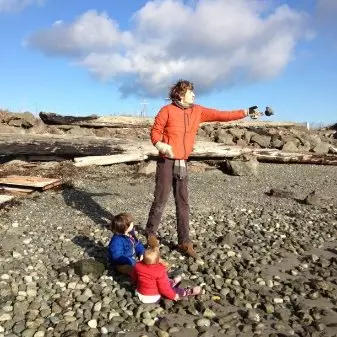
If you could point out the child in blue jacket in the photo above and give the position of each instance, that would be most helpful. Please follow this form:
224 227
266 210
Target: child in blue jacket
124 246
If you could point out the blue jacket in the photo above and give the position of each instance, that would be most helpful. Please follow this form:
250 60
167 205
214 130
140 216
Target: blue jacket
124 250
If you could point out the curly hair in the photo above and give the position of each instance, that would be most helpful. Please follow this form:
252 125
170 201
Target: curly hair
179 89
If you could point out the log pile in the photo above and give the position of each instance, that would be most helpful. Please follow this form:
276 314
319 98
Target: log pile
96 140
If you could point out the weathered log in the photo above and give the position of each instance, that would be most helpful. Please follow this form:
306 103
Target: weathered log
55 119
42 145
94 121
276 156
109 160
209 150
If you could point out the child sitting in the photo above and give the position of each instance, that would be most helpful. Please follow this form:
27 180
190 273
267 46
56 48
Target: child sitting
124 246
151 279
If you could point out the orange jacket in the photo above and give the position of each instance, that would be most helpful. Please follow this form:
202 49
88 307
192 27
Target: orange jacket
178 127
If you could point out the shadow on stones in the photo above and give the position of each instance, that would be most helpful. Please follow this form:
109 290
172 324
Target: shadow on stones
95 250
99 252
331 250
83 201
300 201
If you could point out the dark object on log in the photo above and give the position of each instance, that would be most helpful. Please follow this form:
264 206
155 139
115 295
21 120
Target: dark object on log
54 119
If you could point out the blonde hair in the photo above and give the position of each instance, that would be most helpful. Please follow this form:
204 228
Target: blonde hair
151 256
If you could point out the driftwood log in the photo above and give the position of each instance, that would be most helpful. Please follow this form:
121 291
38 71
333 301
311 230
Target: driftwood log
46 145
209 150
94 121
106 151
54 119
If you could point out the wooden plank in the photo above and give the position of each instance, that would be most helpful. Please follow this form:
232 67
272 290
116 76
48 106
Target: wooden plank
34 182
15 190
5 198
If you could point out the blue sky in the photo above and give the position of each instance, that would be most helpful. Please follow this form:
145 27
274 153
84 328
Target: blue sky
106 57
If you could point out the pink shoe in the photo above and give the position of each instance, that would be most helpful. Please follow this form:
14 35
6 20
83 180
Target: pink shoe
192 291
176 281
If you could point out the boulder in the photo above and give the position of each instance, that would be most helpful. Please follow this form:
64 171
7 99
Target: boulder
40 128
263 141
241 142
322 148
208 129
242 166
276 142
237 133
221 137
4 128
89 266
202 133
148 168
290 146
248 135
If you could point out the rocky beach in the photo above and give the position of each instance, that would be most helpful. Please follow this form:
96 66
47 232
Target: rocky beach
267 254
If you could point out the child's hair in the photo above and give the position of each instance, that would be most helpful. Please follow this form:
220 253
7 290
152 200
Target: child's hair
151 255
121 222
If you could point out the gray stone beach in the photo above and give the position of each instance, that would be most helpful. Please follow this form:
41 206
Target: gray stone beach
266 243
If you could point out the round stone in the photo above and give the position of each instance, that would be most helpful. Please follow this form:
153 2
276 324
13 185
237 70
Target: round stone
203 322
93 324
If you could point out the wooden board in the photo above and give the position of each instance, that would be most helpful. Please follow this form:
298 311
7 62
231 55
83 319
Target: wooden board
34 182
5 198
15 190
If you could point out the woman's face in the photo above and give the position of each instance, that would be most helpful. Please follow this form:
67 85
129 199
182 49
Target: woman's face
188 98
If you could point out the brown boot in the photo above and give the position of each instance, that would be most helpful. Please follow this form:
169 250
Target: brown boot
187 249
152 241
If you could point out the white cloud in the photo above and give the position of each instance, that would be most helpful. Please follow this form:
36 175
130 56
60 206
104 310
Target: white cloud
17 5
91 32
214 43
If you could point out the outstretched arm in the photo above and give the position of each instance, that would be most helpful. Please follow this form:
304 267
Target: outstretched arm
213 115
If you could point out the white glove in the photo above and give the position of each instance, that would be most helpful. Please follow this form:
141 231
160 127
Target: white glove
165 149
